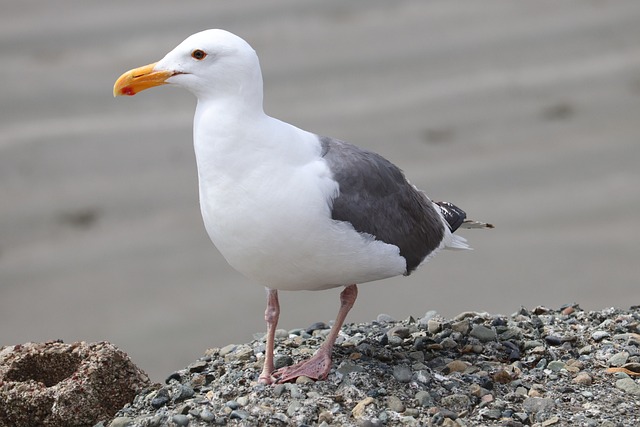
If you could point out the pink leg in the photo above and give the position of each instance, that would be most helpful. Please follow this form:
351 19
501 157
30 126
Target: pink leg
271 315
319 365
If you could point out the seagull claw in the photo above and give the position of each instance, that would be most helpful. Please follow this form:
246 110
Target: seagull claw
316 368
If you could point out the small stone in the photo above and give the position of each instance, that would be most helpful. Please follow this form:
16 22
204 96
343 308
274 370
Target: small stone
534 405
553 340
399 331
227 349
278 389
618 359
303 379
282 360
424 398
293 407
530 344
587 349
434 326
456 366
402 373
492 414
207 416
161 398
185 392
358 410
121 422
242 400
583 379
180 420
198 366
556 366
294 390
232 404
483 333
629 386
239 414
456 402
395 404
316 327
551 421
600 335
327 417
462 326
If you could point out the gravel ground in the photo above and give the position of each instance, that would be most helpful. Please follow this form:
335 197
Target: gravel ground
537 367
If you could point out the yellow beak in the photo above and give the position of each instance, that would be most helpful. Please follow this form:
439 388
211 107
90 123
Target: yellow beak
139 79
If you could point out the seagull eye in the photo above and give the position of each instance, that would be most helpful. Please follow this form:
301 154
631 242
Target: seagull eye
198 54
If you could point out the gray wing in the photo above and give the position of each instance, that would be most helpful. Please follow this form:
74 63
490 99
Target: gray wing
376 198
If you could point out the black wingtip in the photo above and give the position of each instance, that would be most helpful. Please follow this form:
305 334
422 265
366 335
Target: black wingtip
452 214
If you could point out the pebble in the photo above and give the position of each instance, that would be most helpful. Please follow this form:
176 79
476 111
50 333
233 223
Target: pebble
358 410
402 373
600 335
293 407
618 359
424 398
207 415
395 404
282 360
629 386
583 379
161 398
121 422
556 365
475 369
456 402
180 420
483 333
537 404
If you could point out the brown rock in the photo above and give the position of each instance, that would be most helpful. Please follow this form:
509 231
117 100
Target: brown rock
583 379
53 384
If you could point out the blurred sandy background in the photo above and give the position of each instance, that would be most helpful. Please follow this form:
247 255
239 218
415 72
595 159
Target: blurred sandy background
525 114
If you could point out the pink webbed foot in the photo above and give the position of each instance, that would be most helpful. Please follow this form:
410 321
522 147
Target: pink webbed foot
316 368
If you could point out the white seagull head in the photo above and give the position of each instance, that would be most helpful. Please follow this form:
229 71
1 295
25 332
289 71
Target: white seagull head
212 64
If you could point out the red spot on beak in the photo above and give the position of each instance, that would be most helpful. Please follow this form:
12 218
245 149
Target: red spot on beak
128 90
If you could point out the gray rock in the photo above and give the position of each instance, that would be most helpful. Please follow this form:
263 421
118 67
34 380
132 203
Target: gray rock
121 422
618 359
483 333
282 360
600 335
239 414
556 365
395 404
180 420
533 405
629 386
456 402
206 415
399 331
293 407
402 373
424 398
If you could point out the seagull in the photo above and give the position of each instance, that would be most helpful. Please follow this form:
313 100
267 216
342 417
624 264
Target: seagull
287 208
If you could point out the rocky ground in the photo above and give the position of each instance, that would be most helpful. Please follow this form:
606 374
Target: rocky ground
536 367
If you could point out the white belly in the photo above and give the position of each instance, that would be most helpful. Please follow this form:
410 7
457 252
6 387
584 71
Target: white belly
275 227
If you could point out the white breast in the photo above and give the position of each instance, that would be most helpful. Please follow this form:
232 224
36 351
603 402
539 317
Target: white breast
266 203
